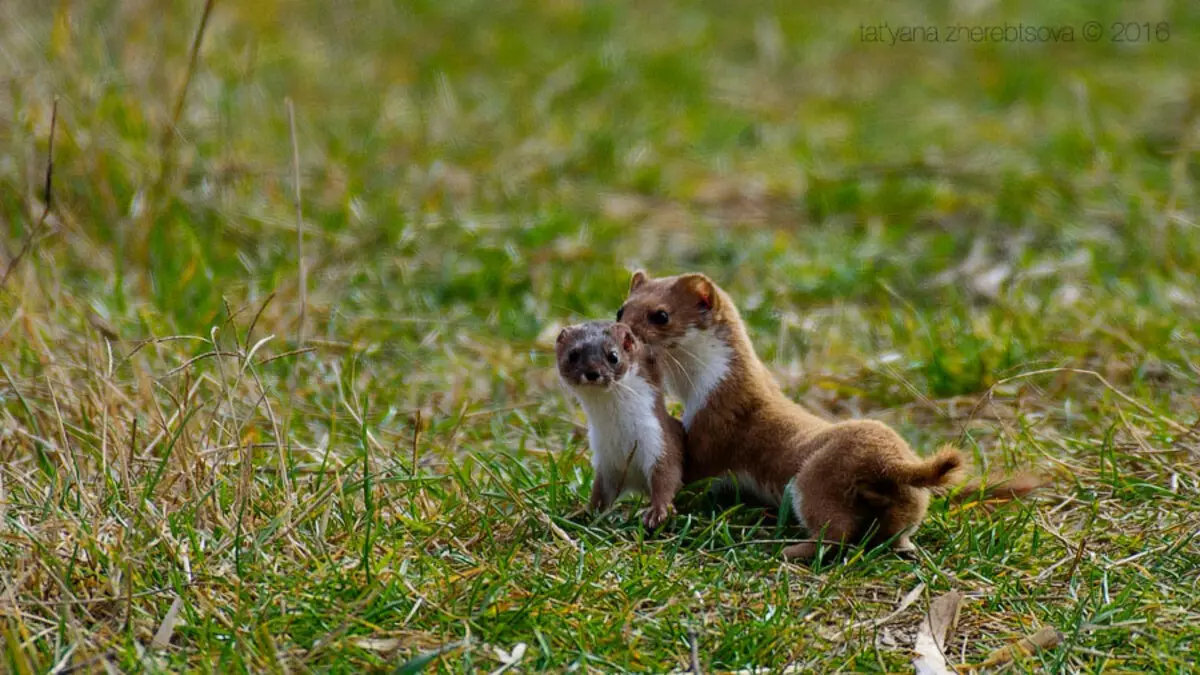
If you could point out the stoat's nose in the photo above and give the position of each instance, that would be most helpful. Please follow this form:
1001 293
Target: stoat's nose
592 375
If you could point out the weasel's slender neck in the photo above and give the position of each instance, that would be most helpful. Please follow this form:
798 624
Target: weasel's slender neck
705 364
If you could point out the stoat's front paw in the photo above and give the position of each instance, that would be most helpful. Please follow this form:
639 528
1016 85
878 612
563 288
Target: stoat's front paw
656 516
803 551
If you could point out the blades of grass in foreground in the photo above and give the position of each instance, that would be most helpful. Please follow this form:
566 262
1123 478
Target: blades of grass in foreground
420 662
368 495
166 452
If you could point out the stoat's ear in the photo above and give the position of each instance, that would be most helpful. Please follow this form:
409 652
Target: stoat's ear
639 278
562 336
628 342
624 335
702 288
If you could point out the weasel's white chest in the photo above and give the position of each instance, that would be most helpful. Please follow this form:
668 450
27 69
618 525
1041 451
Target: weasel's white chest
625 435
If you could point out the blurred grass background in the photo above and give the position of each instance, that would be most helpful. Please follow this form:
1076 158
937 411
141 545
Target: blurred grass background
904 227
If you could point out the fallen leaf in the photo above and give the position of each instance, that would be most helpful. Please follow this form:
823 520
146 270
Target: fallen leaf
378 644
1046 638
935 630
507 659
163 637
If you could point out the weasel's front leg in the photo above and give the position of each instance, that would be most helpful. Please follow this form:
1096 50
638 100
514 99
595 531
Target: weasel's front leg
665 481
602 496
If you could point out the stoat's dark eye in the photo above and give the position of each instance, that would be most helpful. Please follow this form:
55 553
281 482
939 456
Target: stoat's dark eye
659 318
613 358
620 313
573 356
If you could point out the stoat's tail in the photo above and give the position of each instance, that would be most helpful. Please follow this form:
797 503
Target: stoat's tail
931 471
878 489
998 489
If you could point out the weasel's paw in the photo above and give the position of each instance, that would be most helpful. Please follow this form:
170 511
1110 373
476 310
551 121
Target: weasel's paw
656 516
803 551
905 548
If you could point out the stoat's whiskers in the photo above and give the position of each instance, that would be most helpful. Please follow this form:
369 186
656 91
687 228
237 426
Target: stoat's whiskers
704 367
679 368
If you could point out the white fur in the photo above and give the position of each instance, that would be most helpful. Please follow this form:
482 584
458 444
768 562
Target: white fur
621 421
696 365
797 502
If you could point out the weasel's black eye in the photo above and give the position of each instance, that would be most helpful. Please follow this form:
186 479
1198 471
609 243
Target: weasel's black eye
613 358
620 313
659 318
573 356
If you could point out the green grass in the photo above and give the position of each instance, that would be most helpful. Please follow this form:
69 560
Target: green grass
910 231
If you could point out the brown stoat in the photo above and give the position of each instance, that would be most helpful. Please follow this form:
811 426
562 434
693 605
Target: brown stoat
846 479
636 445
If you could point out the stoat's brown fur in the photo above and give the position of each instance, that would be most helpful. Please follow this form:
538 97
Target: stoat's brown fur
847 479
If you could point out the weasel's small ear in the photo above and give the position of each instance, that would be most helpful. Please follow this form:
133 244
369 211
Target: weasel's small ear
702 287
562 337
639 278
624 336
628 341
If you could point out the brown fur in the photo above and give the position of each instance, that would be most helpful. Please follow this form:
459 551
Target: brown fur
582 355
855 476
998 488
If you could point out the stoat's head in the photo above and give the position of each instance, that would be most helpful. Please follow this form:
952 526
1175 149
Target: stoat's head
596 354
663 311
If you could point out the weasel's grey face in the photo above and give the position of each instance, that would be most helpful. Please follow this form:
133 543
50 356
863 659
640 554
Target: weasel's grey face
595 354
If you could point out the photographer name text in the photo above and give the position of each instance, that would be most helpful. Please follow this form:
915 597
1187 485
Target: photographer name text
1007 33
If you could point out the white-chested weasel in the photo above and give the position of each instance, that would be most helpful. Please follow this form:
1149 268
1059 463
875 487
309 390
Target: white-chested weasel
636 445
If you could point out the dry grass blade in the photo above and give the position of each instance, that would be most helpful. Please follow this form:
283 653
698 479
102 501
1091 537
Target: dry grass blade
193 60
200 357
16 654
694 649
905 603
1142 407
557 531
284 355
167 139
47 193
934 632
303 281
416 439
